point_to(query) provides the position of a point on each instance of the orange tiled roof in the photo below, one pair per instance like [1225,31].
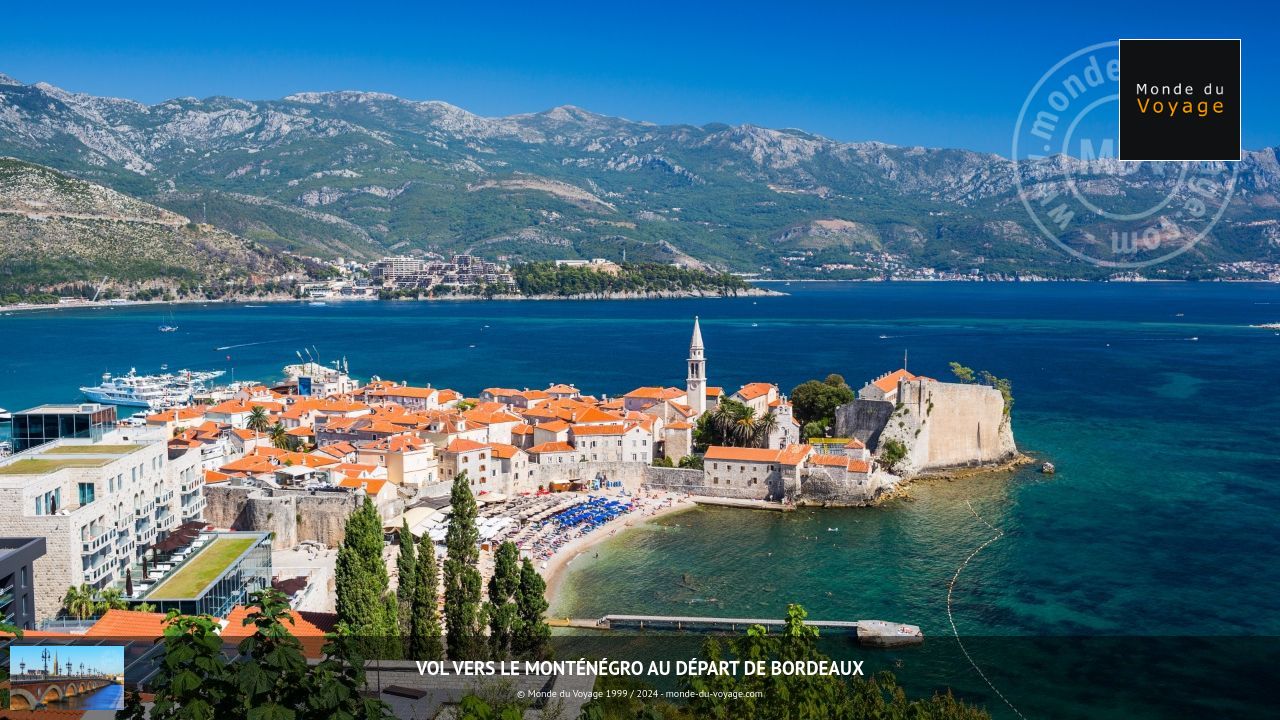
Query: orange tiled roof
[371,486]
[613,429]
[855,444]
[550,447]
[186,413]
[461,445]
[889,382]
[794,454]
[655,393]
[504,451]
[751,391]
[679,425]
[736,454]
[859,466]
[128,624]
[213,476]
[830,460]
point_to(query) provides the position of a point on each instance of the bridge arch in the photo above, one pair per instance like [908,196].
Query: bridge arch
[21,700]
[52,693]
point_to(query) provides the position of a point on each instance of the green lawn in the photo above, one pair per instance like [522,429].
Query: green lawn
[202,569]
[94,449]
[42,465]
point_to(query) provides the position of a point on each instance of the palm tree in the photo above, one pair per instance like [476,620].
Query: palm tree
[111,599]
[79,601]
[280,437]
[258,420]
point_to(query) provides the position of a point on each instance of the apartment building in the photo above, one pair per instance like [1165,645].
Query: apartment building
[99,504]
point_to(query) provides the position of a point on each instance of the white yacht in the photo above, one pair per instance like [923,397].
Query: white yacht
[149,391]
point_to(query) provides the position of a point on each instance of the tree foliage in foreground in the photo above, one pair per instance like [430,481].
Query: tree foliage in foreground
[815,401]
[270,679]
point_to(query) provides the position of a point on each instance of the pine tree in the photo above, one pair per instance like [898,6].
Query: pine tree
[424,621]
[407,567]
[361,580]
[504,615]
[464,637]
[532,639]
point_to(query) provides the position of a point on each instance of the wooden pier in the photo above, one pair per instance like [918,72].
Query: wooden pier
[878,633]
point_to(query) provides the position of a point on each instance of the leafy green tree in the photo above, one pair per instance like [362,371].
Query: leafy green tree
[693,462]
[805,697]
[814,429]
[892,452]
[407,570]
[532,639]
[962,373]
[271,679]
[816,401]
[462,611]
[361,580]
[663,461]
[424,620]
[503,611]
[1004,385]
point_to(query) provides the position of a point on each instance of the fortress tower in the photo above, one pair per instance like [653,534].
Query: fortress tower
[696,385]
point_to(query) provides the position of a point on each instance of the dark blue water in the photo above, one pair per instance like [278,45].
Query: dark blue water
[1160,522]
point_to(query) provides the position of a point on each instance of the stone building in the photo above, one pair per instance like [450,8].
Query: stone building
[99,504]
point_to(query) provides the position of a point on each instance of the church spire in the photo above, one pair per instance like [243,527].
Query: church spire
[696,385]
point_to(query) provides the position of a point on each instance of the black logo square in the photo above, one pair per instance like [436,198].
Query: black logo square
[1179,99]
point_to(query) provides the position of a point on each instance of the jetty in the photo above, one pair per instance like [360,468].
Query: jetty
[875,633]
[741,503]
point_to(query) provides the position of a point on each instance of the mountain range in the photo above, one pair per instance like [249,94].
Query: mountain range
[361,174]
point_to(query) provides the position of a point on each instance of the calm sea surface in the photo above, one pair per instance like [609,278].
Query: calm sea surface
[1157,403]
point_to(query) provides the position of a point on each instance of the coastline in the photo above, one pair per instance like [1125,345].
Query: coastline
[254,300]
[557,566]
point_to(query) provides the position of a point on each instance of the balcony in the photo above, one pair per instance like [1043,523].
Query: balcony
[165,497]
[193,508]
[193,484]
[145,509]
[96,542]
[99,571]
[6,596]
[146,535]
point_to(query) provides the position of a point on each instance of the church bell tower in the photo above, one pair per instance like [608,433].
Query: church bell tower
[696,386]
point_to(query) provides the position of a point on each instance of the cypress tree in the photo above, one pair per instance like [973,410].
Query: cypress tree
[464,639]
[532,639]
[424,619]
[407,568]
[503,611]
[360,577]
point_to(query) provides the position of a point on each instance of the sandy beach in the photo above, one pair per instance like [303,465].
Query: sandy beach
[656,505]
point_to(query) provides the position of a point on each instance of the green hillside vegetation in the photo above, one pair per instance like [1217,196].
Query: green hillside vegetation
[58,234]
[361,175]
[545,278]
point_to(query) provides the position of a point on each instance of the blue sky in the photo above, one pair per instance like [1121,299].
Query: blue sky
[106,658]
[910,73]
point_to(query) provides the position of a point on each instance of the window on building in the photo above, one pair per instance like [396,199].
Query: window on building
[86,492]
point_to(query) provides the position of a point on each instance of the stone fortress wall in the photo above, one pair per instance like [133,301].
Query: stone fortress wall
[942,425]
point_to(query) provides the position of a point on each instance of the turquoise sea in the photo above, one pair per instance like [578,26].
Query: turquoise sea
[1149,560]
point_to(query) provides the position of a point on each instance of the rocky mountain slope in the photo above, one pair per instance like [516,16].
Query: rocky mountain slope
[361,174]
[57,231]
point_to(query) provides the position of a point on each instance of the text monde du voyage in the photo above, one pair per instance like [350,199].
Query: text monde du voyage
[1180,99]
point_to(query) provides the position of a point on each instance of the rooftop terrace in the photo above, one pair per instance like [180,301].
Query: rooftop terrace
[203,568]
[63,454]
